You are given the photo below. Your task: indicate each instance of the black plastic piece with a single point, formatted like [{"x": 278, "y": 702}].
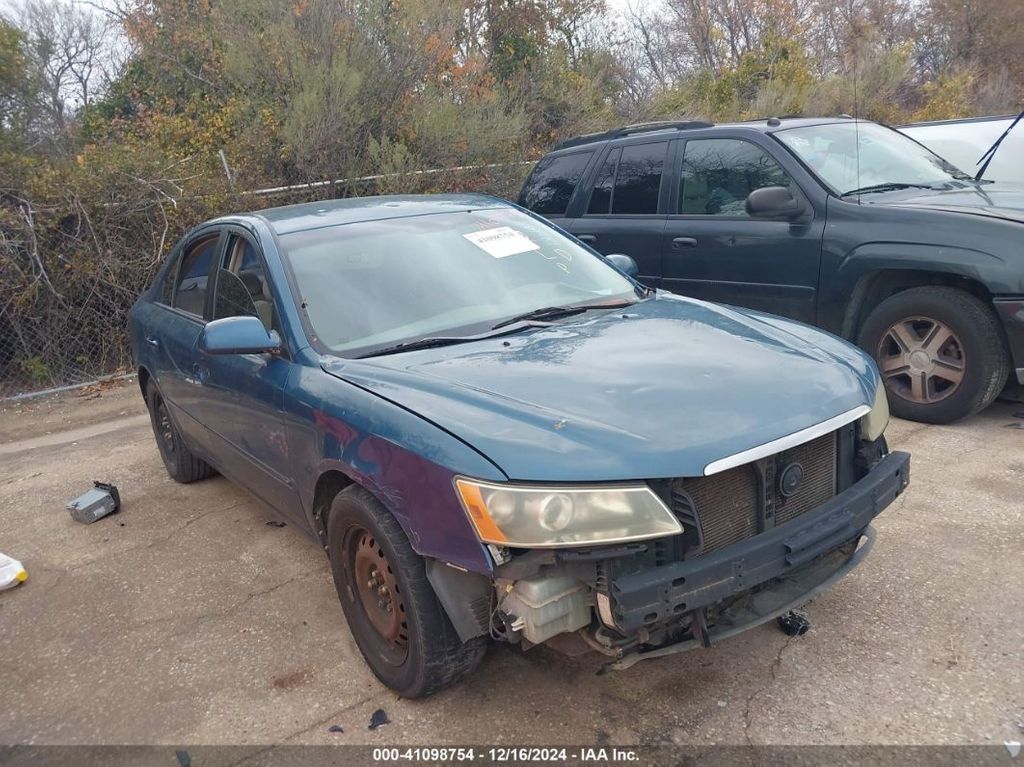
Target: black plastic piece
[
  {"x": 112, "y": 489},
  {"x": 794, "y": 624}
]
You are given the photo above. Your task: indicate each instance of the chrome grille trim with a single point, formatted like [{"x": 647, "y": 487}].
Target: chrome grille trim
[{"x": 784, "y": 443}]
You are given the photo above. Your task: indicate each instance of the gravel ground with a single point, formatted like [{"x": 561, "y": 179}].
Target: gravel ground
[{"x": 188, "y": 619}]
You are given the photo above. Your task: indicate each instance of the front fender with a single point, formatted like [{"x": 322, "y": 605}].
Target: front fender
[{"x": 407, "y": 462}]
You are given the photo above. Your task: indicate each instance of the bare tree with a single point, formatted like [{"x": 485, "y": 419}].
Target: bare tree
[{"x": 73, "y": 56}]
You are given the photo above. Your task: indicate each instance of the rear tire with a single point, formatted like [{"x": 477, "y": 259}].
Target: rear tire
[
  {"x": 394, "y": 615},
  {"x": 940, "y": 351},
  {"x": 179, "y": 461}
]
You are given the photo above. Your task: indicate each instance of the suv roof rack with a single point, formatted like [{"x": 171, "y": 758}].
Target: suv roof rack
[{"x": 630, "y": 130}]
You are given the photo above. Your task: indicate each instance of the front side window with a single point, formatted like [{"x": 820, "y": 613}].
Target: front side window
[
  {"x": 550, "y": 186},
  {"x": 718, "y": 174},
  {"x": 851, "y": 156},
  {"x": 170, "y": 274},
  {"x": 370, "y": 285},
  {"x": 193, "y": 275},
  {"x": 242, "y": 287},
  {"x": 638, "y": 179}
]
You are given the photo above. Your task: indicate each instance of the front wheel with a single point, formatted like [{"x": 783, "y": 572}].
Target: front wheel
[
  {"x": 940, "y": 352},
  {"x": 394, "y": 615}
]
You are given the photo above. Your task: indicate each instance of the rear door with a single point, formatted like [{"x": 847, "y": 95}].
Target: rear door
[
  {"x": 173, "y": 330},
  {"x": 713, "y": 250},
  {"x": 624, "y": 208}
]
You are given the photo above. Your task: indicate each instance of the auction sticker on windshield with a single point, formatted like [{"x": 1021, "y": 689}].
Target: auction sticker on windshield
[{"x": 502, "y": 241}]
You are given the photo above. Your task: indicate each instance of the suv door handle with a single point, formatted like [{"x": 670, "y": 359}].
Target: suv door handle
[
  {"x": 590, "y": 239},
  {"x": 152, "y": 341},
  {"x": 684, "y": 242}
]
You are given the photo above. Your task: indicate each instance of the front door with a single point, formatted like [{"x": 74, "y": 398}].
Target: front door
[
  {"x": 243, "y": 393},
  {"x": 711, "y": 248}
]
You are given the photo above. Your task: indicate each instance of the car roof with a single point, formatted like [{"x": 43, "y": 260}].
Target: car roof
[
  {"x": 316, "y": 215},
  {"x": 645, "y": 130}
]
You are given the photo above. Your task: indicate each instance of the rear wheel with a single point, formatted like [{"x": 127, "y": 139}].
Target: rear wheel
[
  {"x": 179, "y": 461},
  {"x": 394, "y": 615},
  {"x": 940, "y": 352}
]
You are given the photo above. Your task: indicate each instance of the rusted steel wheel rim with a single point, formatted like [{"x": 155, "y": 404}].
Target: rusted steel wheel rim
[
  {"x": 379, "y": 593},
  {"x": 165, "y": 429},
  {"x": 921, "y": 360}
]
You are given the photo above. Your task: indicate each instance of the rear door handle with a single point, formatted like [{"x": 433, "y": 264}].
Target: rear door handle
[
  {"x": 152, "y": 341},
  {"x": 590, "y": 239},
  {"x": 684, "y": 242}
]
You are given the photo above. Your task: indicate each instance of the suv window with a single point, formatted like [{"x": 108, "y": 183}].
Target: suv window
[
  {"x": 601, "y": 196},
  {"x": 718, "y": 174},
  {"x": 629, "y": 180},
  {"x": 638, "y": 178},
  {"x": 552, "y": 182},
  {"x": 193, "y": 274},
  {"x": 242, "y": 289}
]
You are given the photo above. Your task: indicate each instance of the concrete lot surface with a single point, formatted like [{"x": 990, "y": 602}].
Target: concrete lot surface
[{"x": 187, "y": 619}]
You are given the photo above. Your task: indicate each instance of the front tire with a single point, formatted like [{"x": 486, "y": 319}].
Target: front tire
[
  {"x": 940, "y": 352},
  {"x": 394, "y": 615}
]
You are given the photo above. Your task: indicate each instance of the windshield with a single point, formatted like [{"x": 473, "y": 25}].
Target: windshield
[
  {"x": 849, "y": 156},
  {"x": 964, "y": 143},
  {"x": 374, "y": 284}
]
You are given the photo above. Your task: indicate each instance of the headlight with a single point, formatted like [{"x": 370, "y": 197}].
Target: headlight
[
  {"x": 541, "y": 517},
  {"x": 873, "y": 424}
]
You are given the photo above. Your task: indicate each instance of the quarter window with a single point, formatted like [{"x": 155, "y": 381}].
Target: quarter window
[
  {"x": 718, "y": 174},
  {"x": 550, "y": 186},
  {"x": 193, "y": 275}
]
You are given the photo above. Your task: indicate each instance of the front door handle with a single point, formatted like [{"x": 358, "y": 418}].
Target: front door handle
[
  {"x": 152, "y": 341},
  {"x": 684, "y": 242},
  {"x": 590, "y": 239}
]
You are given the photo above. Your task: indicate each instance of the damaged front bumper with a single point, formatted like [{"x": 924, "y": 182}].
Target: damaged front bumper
[
  {"x": 633, "y": 601},
  {"x": 764, "y": 576}
]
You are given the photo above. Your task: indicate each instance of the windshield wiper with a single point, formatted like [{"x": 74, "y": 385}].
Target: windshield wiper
[
  {"x": 888, "y": 186},
  {"x": 557, "y": 312},
  {"x": 991, "y": 151},
  {"x": 419, "y": 343}
]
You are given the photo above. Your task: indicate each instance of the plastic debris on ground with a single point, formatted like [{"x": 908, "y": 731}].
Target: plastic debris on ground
[
  {"x": 95, "y": 504},
  {"x": 335, "y": 728},
  {"x": 275, "y": 523},
  {"x": 379, "y": 719},
  {"x": 12, "y": 572}
]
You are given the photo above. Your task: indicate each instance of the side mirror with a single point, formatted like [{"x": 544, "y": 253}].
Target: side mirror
[
  {"x": 624, "y": 264},
  {"x": 238, "y": 335},
  {"x": 773, "y": 202}
]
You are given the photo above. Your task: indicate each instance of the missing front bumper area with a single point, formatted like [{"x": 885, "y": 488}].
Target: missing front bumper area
[{"x": 785, "y": 594}]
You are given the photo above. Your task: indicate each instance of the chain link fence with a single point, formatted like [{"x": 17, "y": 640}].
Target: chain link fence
[{"x": 70, "y": 271}]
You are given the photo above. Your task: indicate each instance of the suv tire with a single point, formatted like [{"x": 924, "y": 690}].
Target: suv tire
[
  {"x": 396, "y": 619},
  {"x": 940, "y": 351}
]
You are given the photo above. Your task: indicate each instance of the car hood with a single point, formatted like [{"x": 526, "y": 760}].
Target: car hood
[
  {"x": 996, "y": 200},
  {"x": 659, "y": 389}
]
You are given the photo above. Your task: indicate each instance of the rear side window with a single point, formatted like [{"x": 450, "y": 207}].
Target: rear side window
[
  {"x": 718, "y": 174},
  {"x": 167, "y": 288},
  {"x": 550, "y": 186},
  {"x": 629, "y": 180},
  {"x": 601, "y": 197},
  {"x": 193, "y": 274}
]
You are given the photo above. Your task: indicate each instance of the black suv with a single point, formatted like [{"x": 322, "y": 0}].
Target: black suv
[{"x": 837, "y": 222}]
